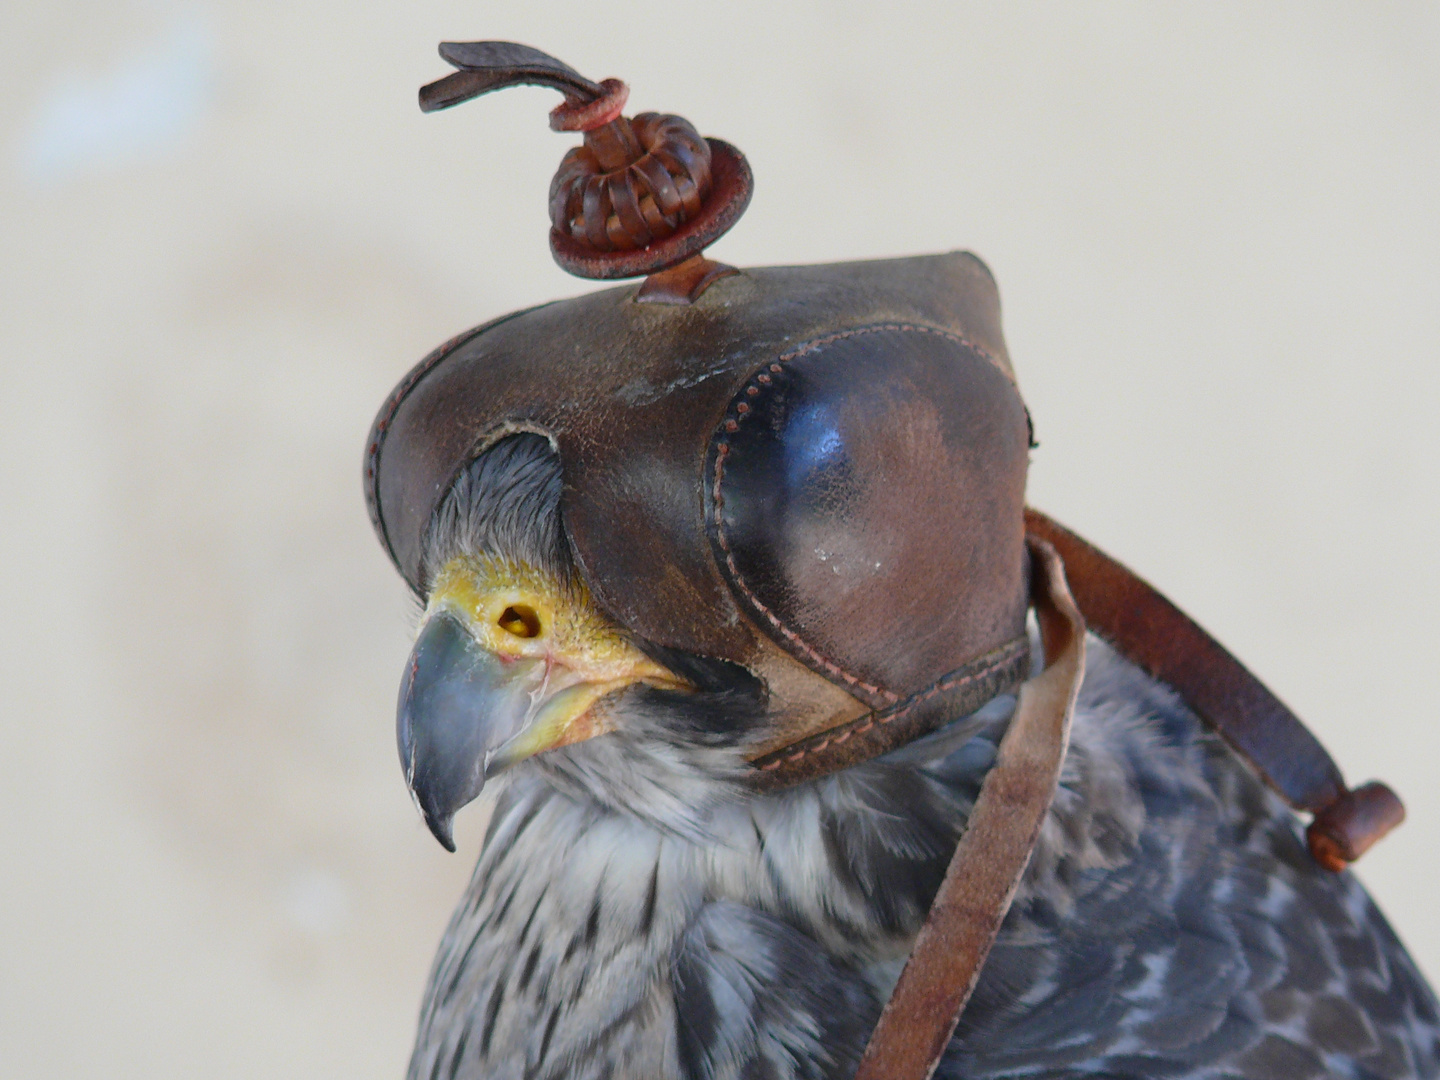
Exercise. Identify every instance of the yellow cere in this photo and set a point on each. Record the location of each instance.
(518, 611)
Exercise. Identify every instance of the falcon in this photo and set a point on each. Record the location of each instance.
(639, 911)
(727, 584)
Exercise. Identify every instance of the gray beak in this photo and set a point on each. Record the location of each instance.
(458, 703)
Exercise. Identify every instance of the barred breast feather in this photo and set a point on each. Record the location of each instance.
(637, 913)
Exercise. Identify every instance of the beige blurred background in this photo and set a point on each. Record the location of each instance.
(227, 230)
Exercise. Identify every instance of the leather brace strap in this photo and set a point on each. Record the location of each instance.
(878, 732)
(1151, 631)
(949, 952)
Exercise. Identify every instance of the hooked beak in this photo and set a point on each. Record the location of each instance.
(467, 712)
(458, 704)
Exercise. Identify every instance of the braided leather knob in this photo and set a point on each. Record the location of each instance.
(646, 199)
(641, 195)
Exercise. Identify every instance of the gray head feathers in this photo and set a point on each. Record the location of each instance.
(505, 502)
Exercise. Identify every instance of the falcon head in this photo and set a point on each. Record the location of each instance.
(515, 663)
(668, 552)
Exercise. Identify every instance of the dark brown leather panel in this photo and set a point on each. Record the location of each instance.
(867, 496)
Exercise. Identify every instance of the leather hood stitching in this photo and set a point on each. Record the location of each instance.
(739, 408)
(1012, 653)
(397, 398)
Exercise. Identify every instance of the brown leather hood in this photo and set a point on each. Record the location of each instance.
(827, 458)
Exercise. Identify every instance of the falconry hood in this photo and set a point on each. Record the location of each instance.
(816, 472)
(820, 466)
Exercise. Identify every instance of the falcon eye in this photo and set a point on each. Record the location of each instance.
(520, 620)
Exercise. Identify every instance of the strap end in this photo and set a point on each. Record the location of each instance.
(1352, 824)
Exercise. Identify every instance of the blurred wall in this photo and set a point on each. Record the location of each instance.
(227, 231)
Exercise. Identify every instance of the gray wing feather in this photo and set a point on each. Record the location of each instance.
(1216, 948)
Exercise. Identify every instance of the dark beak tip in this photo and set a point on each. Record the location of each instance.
(442, 827)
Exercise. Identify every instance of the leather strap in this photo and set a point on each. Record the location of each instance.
(917, 1023)
(950, 950)
(1151, 631)
(879, 731)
